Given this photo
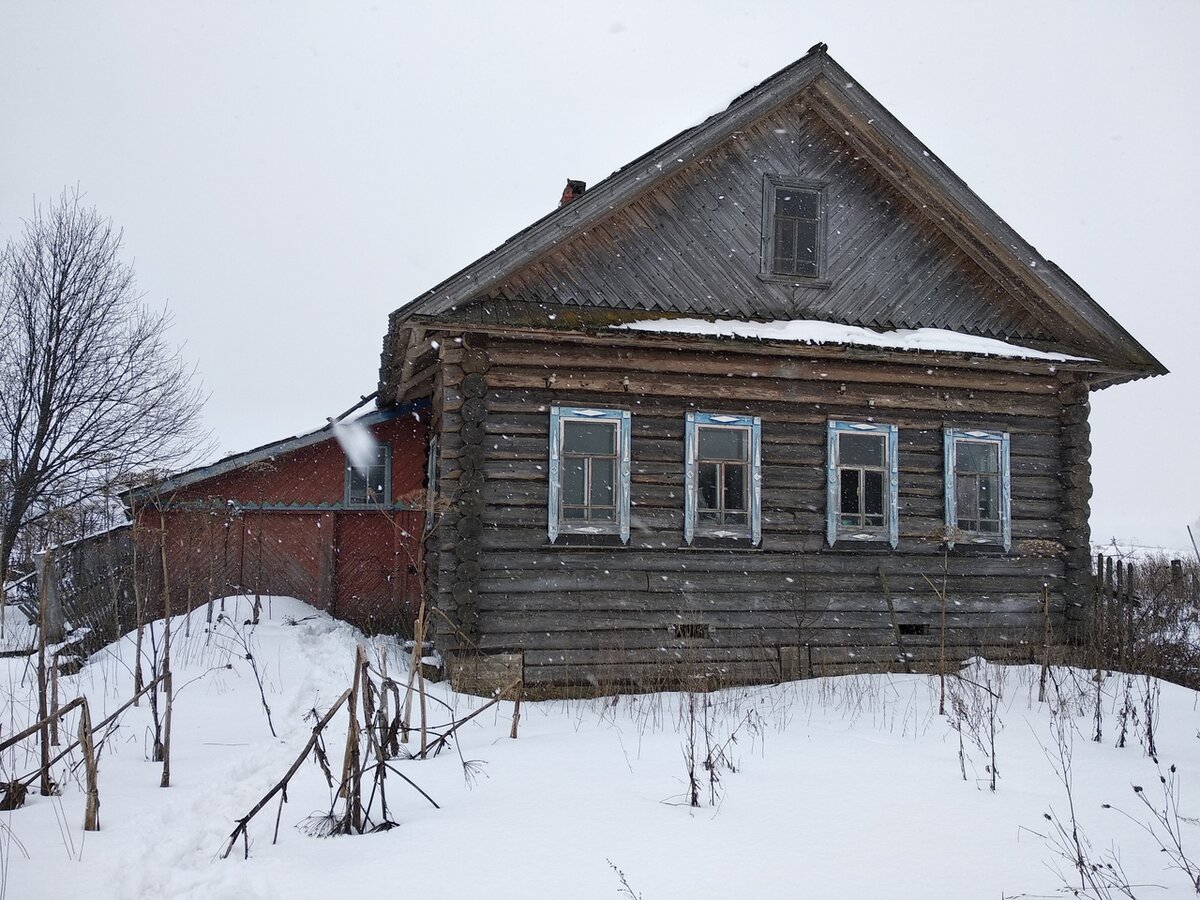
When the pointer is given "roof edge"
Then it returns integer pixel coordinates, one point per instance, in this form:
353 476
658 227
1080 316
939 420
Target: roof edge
236 461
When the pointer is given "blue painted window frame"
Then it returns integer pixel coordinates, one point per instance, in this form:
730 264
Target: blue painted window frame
383 503
750 424
951 438
834 531
559 416
431 477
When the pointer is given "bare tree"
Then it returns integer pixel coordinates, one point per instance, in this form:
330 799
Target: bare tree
91 391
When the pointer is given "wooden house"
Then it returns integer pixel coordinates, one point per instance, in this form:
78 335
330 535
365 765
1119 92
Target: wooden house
739 412
296 518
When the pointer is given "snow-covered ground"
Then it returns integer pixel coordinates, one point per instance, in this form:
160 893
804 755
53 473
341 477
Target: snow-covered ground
844 788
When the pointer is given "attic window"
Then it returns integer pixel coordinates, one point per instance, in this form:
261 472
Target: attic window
793 229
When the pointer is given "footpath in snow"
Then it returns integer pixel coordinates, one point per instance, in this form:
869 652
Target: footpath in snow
846 787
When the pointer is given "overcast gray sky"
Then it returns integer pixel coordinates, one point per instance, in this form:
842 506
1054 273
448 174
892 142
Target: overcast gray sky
289 173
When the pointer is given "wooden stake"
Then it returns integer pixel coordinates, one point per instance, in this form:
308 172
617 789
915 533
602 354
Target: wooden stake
45 786
351 787
516 718
418 655
54 700
162 546
166 742
91 813
1045 643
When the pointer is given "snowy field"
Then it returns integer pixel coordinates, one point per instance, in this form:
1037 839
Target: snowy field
835 788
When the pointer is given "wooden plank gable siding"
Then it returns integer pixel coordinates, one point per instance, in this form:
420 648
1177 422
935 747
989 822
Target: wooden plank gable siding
693 243
608 615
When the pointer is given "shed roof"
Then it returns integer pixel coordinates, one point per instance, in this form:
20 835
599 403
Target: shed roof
268 451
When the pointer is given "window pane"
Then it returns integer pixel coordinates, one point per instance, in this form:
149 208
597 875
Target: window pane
785 240
860 449
574 512
796 203
572 487
723 443
603 471
602 514
977 456
966 501
590 437
849 491
989 497
707 486
358 486
735 487
806 243
873 493
735 518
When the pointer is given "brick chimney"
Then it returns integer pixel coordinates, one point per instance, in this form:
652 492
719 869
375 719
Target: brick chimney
573 191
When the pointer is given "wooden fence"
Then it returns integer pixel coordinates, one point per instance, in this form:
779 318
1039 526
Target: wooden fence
1142 613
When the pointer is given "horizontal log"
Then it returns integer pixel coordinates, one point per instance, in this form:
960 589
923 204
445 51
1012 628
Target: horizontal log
537 355
569 608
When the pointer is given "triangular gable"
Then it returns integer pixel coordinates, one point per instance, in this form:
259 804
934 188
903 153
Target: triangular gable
954 263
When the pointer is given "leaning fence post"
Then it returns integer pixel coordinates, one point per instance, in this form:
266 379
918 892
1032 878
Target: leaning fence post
165 781
44 788
91 814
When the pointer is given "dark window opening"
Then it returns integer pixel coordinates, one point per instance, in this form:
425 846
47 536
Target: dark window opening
913 628
795 232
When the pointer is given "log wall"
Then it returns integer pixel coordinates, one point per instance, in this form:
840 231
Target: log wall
609 615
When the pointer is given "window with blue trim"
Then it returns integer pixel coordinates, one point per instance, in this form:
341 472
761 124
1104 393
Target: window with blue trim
862 478
724 477
589 471
978 487
370 485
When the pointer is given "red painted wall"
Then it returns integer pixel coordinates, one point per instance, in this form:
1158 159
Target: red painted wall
358 564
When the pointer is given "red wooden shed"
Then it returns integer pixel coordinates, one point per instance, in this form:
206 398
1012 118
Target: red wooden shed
295 518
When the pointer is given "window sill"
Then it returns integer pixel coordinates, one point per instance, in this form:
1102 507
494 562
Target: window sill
795 280
846 542
712 542
981 547
583 539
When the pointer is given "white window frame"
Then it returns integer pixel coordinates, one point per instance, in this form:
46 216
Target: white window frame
834 530
752 425
952 437
385 501
556 524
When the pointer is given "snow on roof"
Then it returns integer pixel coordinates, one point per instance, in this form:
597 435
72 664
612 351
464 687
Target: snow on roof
807 331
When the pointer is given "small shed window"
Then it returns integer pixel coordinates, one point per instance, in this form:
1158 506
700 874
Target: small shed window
589 471
370 486
793 228
861 482
724 477
978 489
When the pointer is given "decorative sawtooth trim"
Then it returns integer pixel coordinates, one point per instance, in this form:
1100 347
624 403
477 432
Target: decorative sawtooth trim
1076 477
